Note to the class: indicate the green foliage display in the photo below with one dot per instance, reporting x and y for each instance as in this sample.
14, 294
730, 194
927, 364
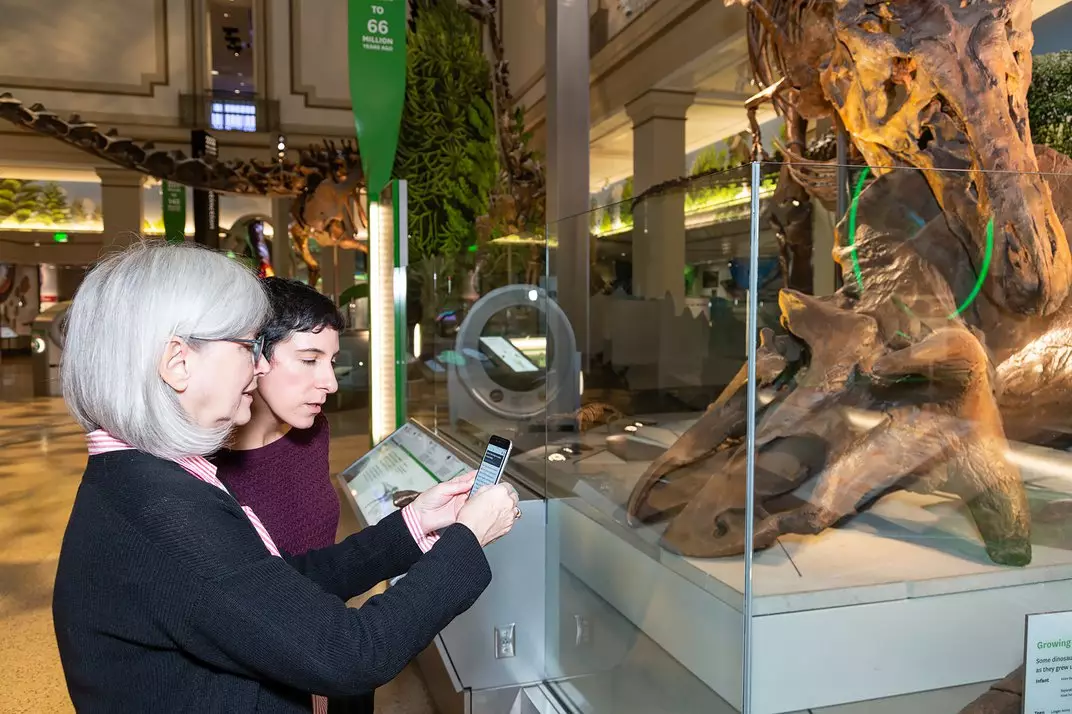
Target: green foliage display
19, 199
625, 208
1049, 101
606, 223
447, 149
53, 206
710, 197
710, 159
725, 194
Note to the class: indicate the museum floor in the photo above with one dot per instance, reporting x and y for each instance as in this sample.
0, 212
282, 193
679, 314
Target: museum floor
43, 458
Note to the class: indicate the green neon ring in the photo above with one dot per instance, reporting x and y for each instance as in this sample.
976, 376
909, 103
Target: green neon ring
987, 254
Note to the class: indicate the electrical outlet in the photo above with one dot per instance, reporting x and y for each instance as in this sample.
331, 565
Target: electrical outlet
504, 641
584, 630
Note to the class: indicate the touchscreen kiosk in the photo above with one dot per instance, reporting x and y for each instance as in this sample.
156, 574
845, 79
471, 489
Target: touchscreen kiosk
508, 354
521, 389
410, 459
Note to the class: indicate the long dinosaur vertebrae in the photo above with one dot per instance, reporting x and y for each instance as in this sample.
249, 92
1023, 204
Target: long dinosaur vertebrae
322, 180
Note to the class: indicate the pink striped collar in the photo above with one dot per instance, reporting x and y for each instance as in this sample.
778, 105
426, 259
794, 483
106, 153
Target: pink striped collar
101, 442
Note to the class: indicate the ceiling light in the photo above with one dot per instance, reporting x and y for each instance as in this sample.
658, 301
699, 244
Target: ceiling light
237, 91
235, 54
226, 15
215, 72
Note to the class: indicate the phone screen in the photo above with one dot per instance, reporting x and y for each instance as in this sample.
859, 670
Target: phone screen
492, 465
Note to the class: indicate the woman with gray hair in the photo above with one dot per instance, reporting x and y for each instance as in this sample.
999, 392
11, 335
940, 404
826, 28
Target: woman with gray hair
170, 595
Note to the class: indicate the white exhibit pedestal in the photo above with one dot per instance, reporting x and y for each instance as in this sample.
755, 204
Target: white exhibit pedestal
900, 600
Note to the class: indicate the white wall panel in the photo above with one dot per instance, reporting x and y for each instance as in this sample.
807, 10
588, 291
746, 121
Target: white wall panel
308, 65
112, 58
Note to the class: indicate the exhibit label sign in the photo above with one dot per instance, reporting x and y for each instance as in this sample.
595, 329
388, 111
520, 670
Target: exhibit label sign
173, 198
206, 203
1048, 664
377, 50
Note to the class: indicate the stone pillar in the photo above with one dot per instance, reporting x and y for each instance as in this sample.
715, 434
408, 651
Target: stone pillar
121, 206
337, 263
282, 254
567, 164
659, 223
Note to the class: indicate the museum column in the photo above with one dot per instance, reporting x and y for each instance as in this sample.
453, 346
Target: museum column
121, 206
337, 270
658, 118
282, 256
567, 168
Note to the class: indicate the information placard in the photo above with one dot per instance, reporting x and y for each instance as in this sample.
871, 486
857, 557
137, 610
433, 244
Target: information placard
408, 460
1048, 664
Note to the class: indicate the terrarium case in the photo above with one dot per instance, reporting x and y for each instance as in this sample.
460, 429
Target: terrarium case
893, 446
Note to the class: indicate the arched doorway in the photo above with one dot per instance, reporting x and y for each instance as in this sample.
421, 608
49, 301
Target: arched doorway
251, 239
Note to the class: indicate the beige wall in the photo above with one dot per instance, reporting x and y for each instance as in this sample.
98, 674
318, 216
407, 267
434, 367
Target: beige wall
125, 63
307, 65
122, 59
524, 35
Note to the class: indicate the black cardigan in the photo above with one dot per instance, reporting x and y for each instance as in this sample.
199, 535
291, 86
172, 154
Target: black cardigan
166, 599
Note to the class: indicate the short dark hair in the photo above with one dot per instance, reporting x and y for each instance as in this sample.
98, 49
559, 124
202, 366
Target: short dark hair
296, 307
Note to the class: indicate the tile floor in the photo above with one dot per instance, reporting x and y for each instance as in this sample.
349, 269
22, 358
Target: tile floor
42, 456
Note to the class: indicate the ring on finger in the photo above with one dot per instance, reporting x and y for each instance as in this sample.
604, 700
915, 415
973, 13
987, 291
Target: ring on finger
517, 513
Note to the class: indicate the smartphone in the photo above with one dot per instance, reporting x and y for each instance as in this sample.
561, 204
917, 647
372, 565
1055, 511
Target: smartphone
493, 464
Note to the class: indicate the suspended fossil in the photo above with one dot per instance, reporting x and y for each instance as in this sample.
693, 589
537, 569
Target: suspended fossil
323, 181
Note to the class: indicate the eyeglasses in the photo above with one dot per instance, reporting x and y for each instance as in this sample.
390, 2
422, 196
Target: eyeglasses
256, 346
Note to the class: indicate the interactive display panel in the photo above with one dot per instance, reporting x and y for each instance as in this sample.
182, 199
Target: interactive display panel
510, 355
407, 460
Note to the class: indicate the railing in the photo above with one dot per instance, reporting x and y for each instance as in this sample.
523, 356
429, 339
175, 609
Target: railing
218, 111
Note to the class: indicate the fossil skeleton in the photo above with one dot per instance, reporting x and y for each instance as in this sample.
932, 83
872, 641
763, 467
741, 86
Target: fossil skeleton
322, 181
938, 86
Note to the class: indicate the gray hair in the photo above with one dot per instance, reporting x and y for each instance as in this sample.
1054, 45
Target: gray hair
127, 308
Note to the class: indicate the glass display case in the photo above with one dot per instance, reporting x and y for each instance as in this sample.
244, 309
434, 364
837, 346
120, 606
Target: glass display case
893, 447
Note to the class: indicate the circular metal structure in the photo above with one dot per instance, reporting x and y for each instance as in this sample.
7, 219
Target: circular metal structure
560, 371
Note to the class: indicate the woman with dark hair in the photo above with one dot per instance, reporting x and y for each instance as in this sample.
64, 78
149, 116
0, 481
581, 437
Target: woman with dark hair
278, 463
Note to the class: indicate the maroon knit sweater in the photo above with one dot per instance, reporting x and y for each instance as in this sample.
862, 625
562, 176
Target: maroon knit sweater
288, 485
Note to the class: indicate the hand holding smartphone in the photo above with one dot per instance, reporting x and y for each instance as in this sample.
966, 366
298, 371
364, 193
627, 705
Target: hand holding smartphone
494, 513
493, 464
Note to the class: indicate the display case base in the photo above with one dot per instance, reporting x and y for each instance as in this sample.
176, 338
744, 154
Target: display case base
902, 599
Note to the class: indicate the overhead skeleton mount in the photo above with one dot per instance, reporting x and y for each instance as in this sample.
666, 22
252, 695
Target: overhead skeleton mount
324, 181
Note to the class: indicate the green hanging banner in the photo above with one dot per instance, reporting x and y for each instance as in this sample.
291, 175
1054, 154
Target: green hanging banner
377, 57
377, 51
173, 208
